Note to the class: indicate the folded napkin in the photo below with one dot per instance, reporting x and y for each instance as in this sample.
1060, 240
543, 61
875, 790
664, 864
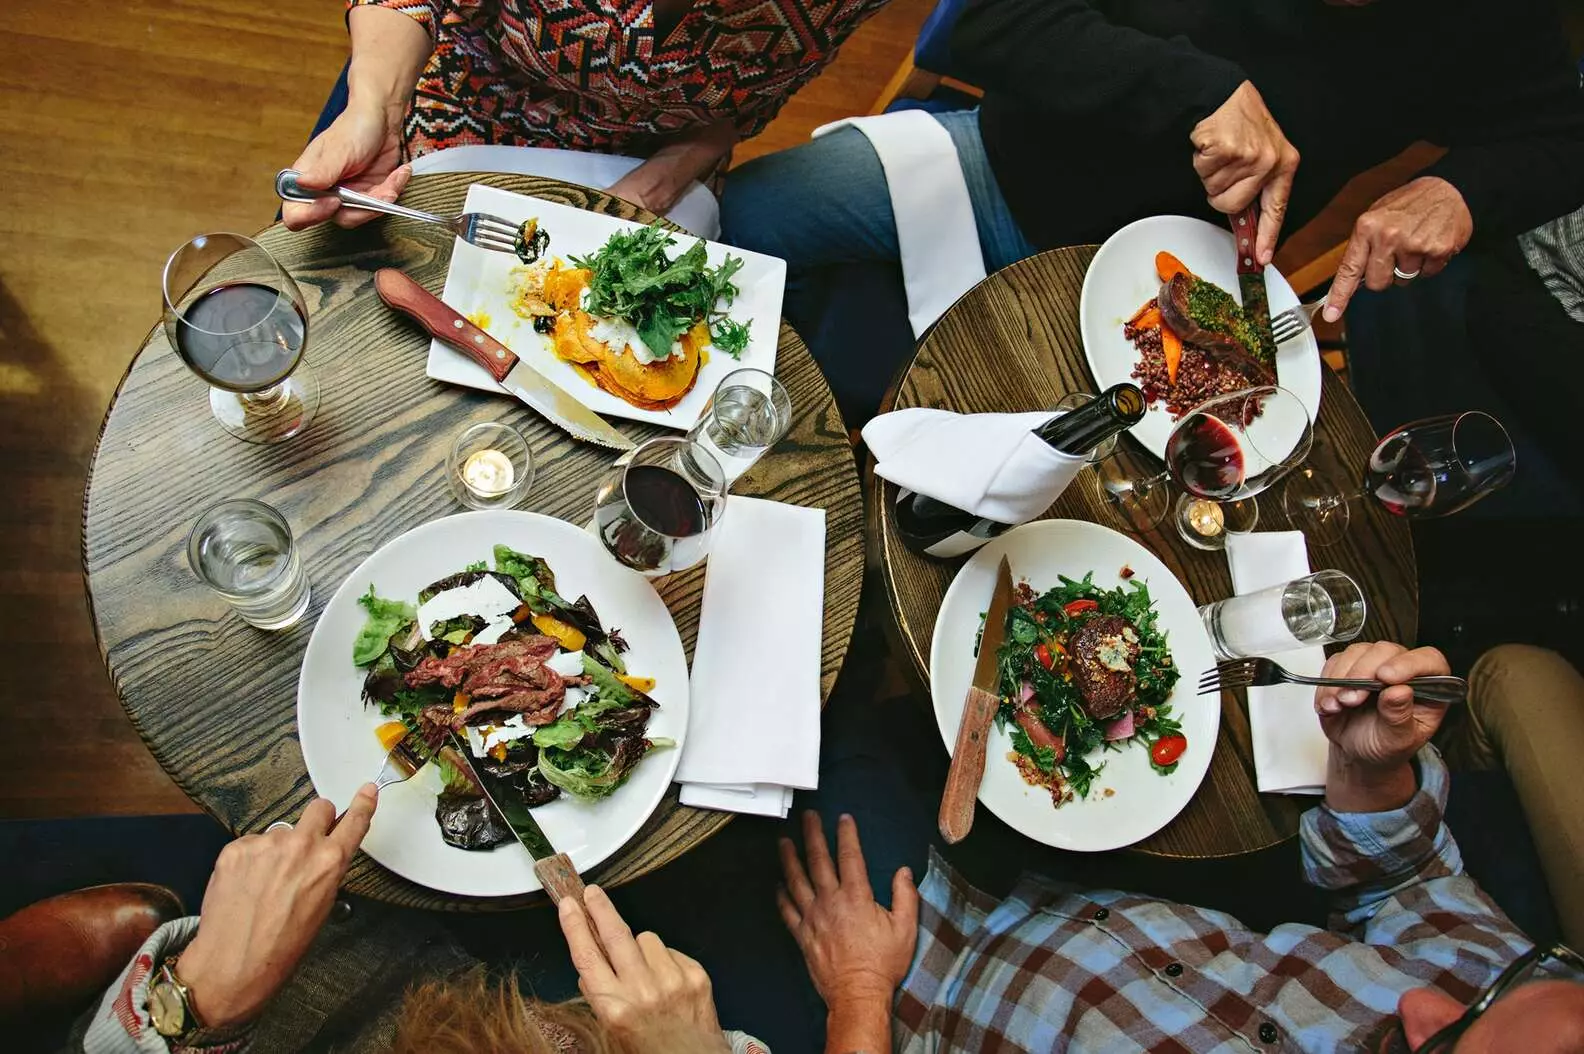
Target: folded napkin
991, 465
1289, 747
754, 707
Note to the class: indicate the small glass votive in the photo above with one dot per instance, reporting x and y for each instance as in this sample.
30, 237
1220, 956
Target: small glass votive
748, 414
490, 466
1323, 608
243, 550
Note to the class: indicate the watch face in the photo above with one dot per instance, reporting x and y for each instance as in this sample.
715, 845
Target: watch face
165, 1007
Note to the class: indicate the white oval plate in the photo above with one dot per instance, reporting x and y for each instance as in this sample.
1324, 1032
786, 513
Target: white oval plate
337, 731
1122, 277
1144, 801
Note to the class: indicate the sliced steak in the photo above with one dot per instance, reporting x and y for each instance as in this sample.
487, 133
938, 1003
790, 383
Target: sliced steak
1104, 650
467, 662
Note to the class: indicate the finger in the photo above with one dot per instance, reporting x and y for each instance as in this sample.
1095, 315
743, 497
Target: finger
904, 901
299, 215
587, 956
1434, 265
849, 854
1218, 177
1349, 273
354, 825
655, 954
620, 947
316, 819
822, 873
1406, 665
1364, 665
1378, 273
1273, 208
1408, 263
790, 915
1237, 197
387, 189
797, 883
1335, 666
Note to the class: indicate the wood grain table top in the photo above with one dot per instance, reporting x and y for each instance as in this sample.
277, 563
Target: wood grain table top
1013, 344
214, 698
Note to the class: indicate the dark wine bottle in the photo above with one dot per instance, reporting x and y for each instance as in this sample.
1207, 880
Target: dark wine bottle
936, 529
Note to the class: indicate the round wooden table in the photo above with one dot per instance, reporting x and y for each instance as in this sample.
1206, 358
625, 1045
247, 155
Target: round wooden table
215, 699
1013, 343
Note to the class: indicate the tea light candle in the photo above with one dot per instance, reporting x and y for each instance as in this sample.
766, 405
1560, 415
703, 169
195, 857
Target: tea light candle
488, 473
1205, 518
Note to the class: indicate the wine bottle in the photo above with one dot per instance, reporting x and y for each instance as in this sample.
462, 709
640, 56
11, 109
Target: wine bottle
936, 529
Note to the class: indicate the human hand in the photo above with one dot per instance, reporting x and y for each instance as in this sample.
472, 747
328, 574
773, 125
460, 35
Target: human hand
267, 899
641, 990
1416, 229
1389, 733
653, 185
856, 950
362, 150
1241, 154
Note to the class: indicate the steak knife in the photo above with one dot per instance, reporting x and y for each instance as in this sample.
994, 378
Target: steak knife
1251, 281
979, 709
445, 324
555, 870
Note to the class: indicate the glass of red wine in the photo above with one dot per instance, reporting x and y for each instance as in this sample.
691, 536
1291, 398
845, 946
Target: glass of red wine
238, 320
1422, 470
656, 508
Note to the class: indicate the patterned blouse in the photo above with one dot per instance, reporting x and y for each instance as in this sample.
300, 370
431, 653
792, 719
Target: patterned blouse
590, 75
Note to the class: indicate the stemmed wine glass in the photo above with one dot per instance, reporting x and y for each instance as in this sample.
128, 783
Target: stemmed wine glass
237, 319
1422, 470
656, 508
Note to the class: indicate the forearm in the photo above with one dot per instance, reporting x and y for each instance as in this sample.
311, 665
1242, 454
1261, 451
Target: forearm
389, 50
1351, 787
1513, 187
859, 1026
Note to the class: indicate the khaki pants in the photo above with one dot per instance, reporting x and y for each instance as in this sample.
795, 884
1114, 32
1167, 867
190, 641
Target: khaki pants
1526, 715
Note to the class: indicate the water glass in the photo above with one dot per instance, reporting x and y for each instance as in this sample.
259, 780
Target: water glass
490, 466
1323, 608
243, 550
748, 414
655, 510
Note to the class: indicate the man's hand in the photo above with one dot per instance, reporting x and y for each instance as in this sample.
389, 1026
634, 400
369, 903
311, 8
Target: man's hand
1241, 154
361, 149
267, 899
1416, 229
1374, 737
644, 992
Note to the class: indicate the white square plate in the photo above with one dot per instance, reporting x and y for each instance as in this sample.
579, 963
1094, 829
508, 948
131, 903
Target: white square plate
479, 283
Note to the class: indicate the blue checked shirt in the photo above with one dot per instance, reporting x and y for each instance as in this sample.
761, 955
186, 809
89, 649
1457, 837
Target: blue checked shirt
1053, 968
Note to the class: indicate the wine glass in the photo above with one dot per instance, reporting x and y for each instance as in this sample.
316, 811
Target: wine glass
238, 320
1422, 470
656, 508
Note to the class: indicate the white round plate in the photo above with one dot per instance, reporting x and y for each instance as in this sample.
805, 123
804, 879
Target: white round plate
337, 731
1143, 801
1122, 277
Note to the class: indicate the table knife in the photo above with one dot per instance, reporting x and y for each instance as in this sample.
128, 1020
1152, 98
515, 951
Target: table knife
555, 870
446, 325
979, 709
1251, 281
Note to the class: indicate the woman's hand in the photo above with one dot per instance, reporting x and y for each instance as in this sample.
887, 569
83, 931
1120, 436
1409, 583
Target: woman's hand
267, 899
361, 149
659, 183
1241, 154
640, 989
1416, 229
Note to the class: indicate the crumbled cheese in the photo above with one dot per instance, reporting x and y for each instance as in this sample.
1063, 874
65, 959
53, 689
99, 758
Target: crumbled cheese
512, 728
486, 598
1113, 653
566, 663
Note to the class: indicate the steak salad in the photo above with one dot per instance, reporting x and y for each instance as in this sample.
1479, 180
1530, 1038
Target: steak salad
1085, 670
534, 684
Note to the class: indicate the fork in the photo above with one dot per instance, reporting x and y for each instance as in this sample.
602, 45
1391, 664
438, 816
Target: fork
409, 755
1260, 673
1295, 321
475, 228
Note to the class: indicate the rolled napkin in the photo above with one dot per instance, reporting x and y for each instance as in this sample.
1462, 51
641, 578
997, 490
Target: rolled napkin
992, 465
1290, 748
754, 707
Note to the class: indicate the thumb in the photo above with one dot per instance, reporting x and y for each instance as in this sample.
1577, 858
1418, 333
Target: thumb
904, 900
1395, 706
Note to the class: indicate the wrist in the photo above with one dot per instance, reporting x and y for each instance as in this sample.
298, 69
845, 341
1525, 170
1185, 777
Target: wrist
858, 1022
206, 991
1358, 786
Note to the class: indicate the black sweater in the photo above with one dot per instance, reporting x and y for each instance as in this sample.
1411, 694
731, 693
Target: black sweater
1089, 103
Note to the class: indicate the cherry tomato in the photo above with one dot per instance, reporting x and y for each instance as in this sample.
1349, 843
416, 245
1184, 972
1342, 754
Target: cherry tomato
1078, 607
1043, 654
1168, 749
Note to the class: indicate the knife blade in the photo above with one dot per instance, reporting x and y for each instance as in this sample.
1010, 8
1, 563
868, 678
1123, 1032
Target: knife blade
979, 709
555, 870
1251, 281
445, 324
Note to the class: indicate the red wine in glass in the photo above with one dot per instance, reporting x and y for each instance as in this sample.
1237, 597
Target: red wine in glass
1206, 457
665, 502
1400, 478
655, 510
243, 337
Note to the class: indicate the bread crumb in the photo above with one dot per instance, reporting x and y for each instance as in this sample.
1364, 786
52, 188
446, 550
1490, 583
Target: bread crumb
1126, 572
1108, 792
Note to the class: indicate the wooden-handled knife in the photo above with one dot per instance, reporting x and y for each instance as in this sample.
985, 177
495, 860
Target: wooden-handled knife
979, 710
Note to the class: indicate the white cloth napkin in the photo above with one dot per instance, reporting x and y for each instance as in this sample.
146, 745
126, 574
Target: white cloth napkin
1289, 747
991, 465
936, 235
754, 708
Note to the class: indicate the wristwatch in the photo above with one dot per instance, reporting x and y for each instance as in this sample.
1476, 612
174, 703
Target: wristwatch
170, 1004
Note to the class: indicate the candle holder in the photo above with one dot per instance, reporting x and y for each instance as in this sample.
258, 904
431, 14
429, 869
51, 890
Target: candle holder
490, 466
1205, 524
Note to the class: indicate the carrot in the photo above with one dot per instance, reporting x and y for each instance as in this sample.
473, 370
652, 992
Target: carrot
1168, 266
1150, 318
1171, 346
1144, 309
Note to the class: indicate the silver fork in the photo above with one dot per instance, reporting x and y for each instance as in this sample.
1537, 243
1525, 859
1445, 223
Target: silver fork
410, 754
1260, 673
475, 228
1295, 320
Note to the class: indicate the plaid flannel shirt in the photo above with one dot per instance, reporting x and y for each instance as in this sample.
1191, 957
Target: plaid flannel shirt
1053, 967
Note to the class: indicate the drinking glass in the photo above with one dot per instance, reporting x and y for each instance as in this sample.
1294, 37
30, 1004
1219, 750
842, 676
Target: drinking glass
242, 549
1422, 470
1323, 608
656, 508
238, 320
748, 414
490, 466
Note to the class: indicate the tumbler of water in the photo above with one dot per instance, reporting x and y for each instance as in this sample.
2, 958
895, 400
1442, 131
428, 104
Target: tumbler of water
748, 414
1322, 608
243, 550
